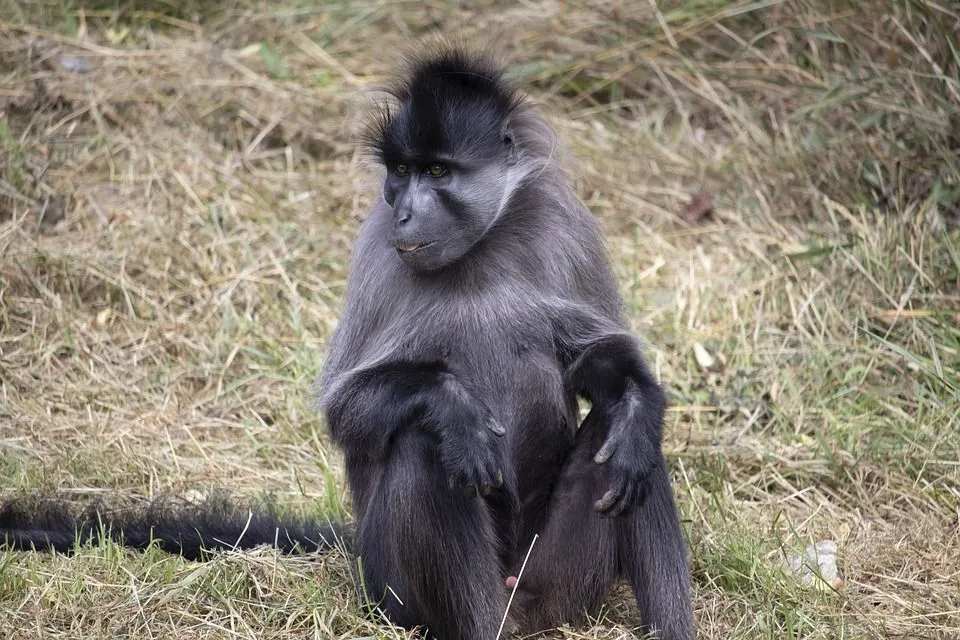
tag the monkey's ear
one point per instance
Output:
(510, 142)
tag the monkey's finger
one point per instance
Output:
(613, 440)
(607, 449)
(626, 501)
(496, 427)
(610, 497)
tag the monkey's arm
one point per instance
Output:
(603, 363)
(368, 408)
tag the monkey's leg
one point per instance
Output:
(428, 552)
(574, 561)
(581, 552)
(653, 557)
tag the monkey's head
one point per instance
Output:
(451, 158)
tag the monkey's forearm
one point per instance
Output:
(373, 404)
(611, 371)
(612, 374)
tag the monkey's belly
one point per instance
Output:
(541, 436)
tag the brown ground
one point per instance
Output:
(780, 185)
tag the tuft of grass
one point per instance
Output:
(178, 193)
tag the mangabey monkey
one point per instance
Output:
(480, 305)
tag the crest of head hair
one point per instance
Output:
(449, 102)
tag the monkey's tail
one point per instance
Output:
(187, 529)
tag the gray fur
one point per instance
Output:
(520, 321)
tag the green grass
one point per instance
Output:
(163, 337)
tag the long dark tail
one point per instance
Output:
(189, 530)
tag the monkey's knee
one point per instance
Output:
(416, 537)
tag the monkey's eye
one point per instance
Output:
(436, 170)
(401, 170)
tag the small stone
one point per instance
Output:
(103, 317)
(704, 359)
(193, 496)
(817, 565)
(75, 64)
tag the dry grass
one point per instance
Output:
(162, 336)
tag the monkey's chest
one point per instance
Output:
(519, 378)
(506, 357)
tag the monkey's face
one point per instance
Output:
(442, 206)
(452, 163)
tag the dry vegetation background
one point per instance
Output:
(780, 185)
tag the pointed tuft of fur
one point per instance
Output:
(186, 529)
(448, 101)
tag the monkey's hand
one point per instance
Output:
(612, 375)
(628, 454)
(470, 450)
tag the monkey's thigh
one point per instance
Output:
(428, 552)
(574, 561)
(581, 553)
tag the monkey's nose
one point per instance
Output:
(403, 216)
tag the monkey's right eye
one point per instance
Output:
(401, 170)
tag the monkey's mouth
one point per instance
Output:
(413, 247)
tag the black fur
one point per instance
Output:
(511, 314)
(190, 530)
(450, 102)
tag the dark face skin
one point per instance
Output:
(442, 206)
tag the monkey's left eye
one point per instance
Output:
(436, 170)
(401, 170)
